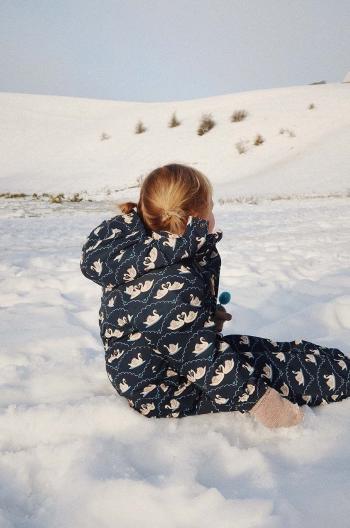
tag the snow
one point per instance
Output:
(53, 144)
(73, 453)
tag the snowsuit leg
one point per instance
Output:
(302, 371)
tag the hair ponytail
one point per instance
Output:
(169, 194)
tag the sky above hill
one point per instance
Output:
(165, 51)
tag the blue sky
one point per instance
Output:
(156, 50)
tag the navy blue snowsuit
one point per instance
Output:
(162, 350)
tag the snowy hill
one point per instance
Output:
(53, 144)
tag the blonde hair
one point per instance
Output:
(169, 194)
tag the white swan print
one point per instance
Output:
(116, 354)
(152, 319)
(136, 361)
(194, 375)
(97, 266)
(184, 269)
(94, 246)
(182, 319)
(311, 358)
(170, 373)
(134, 290)
(149, 388)
(220, 372)
(119, 256)
(173, 348)
(220, 400)
(123, 386)
(248, 367)
(111, 302)
(146, 408)
(284, 389)
(250, 389)
(267, 371)
(223, 346)
(307, 398)
(113, 333)
(130, 274)
(195, 301)
(299, 376)
(342, 364)
(166, 287)
(182, 388)
(244, 340)
(125, 319)
(330, 380)
(200, 347)
(149, 261)
(280, 356)
(134, 336)
(209, 322)
(174, 404)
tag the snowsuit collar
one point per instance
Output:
(193, 240)
(163, 248)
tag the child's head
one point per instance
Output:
(169, 194)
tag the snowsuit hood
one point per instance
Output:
(111, 255)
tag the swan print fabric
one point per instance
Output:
(156, 320)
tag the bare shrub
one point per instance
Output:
(104, 136)
(13, 195)
(56, 198)
(174, 122)
(206, 124)
(238, 115)
(311, 106)
(140, 127)
(75, 198)
(259, 139)
(288, 131)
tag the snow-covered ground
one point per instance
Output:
(73, 453)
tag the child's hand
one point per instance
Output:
(220, 317)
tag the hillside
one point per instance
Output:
(53, 143)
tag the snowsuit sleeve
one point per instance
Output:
(96, 246)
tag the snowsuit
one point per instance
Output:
(162, 351)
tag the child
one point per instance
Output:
(158, 266)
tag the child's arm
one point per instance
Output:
(93, 250)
